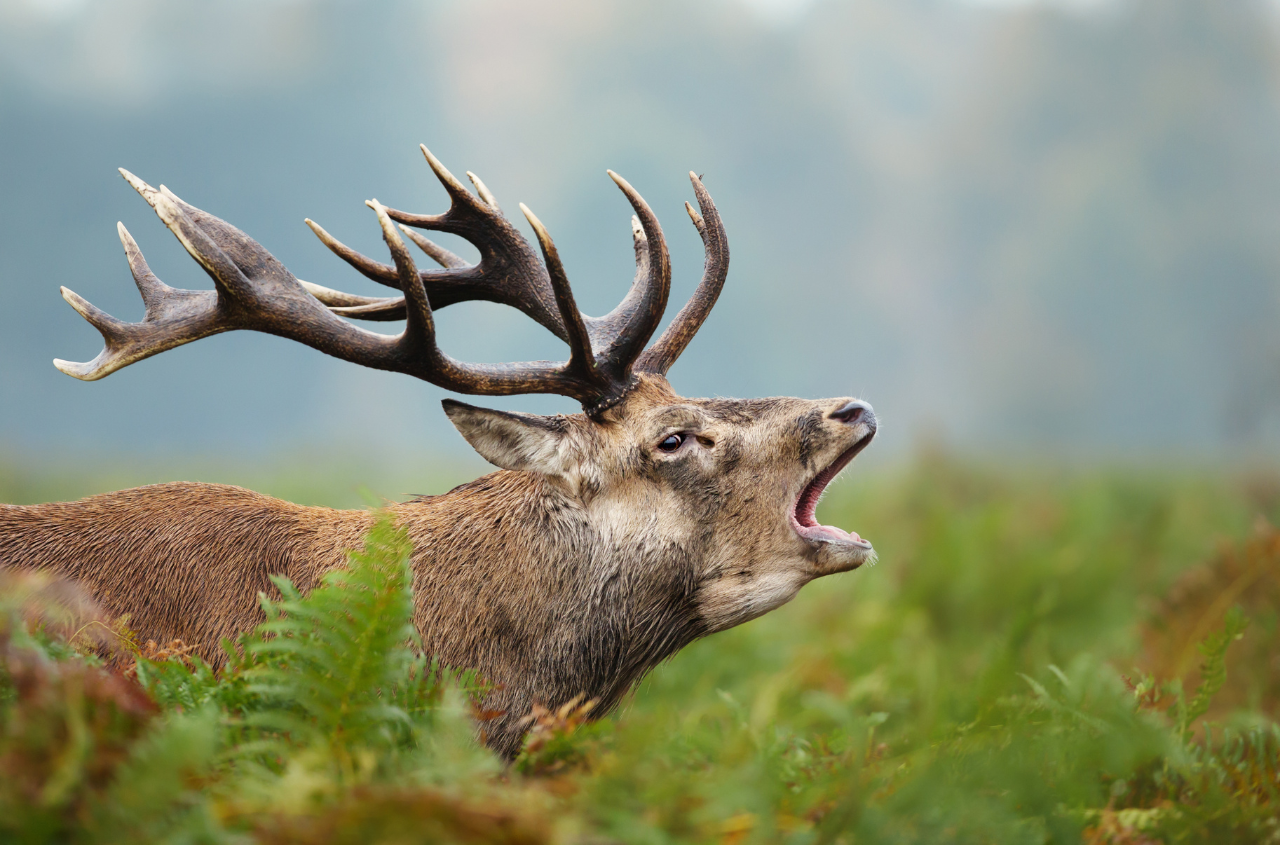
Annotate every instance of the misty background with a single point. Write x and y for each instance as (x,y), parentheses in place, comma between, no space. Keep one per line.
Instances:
(1017,229)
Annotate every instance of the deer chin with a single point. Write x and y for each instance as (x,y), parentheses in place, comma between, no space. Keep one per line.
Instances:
(835,544)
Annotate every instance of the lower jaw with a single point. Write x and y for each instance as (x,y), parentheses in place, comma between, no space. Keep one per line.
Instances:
(827,535)
(831,534)
(839,556)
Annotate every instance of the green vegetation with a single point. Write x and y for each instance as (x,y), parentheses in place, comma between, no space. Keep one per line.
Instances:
(1036,657)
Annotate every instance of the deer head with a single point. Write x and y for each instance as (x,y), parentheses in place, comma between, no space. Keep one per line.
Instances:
(726,488)
(683,516)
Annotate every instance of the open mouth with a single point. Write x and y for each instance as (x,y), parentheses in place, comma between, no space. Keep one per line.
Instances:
(803,517)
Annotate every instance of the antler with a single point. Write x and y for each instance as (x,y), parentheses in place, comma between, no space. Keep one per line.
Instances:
(715,244)
(254,291)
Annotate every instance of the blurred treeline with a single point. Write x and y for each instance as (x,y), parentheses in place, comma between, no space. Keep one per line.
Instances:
(1013,227)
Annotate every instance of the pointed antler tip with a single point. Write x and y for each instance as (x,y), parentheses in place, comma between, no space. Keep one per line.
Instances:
(70,296)
(637,202)
(166,194)
(696,218)
(74,299)
(433,161)
(126,239)
(482,190)
(81,306)
(620,180)
(385,220)
(139,185)
(82,371)
(535,221)
(389,233)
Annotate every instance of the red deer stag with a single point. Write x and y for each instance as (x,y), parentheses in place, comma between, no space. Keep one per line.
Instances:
(606,541)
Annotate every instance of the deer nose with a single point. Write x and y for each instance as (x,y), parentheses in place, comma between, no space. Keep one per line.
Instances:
(855,412)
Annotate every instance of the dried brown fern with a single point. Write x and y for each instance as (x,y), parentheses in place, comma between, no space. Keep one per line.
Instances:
(1247,576)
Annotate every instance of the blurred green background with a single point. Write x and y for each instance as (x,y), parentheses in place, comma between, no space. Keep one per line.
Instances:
(1021,229)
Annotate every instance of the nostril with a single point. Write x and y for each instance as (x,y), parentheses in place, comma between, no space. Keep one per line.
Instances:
(853,413)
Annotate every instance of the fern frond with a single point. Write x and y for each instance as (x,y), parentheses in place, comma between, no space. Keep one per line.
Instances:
(323,663)
(1213,670)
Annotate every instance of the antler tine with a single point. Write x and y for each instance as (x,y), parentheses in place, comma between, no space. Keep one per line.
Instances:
(671,344)
(151,287)
(446,258)
(370,268)
(577,378)
(482,190)
(116,334)
(627,328)
(369,308)
(227,278)
(509,271)
(387,310)
(451,184)
(252,291)
(420,327)
(336,298)
(466,215)
(364,306)
(581,358)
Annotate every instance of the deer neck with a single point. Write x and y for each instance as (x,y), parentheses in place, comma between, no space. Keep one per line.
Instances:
(529,583)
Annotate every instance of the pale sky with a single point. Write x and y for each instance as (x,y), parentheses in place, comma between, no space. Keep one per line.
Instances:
(776,9)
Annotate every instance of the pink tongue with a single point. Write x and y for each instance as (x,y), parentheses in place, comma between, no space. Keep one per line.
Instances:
(840,533)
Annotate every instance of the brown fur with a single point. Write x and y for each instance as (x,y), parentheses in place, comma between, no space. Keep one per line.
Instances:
(575,571)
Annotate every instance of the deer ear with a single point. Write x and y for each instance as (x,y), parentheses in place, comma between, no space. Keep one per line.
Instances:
(519,441)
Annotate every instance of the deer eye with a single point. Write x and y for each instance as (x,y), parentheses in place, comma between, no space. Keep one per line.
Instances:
(671,443)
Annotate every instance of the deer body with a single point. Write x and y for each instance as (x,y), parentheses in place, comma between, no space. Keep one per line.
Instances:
(607,540)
